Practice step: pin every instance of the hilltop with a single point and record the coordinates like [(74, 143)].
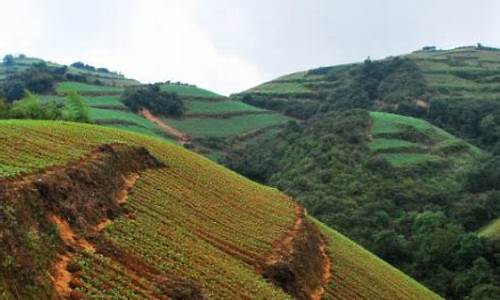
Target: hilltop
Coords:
[(455, 89), (149, 220)]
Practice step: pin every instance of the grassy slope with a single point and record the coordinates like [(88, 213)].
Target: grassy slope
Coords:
[(462, 73), (185, 90), (358, 274), (431, 144), (200, 198), (219, 107)]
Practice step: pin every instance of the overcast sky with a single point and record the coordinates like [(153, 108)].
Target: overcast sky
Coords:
[(231, 45)]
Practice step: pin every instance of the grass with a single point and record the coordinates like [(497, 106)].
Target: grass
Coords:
[(491, 231), (86, 88), (207, 107), (203, 127), (201, 226), (189, 91), (358, 274)]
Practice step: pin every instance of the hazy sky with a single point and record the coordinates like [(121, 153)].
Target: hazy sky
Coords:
[(231, 45)]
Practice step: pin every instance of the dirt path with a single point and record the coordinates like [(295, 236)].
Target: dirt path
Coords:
[(61, 276), (318, 293), (182, 138), (285, 246)]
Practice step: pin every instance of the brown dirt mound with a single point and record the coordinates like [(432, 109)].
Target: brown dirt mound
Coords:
[(299, 263), (182, 138)]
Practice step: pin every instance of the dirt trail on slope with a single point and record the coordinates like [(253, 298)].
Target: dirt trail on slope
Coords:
[(61, 277), (181, 137), (299, 262), (284, 247), (318, 293)]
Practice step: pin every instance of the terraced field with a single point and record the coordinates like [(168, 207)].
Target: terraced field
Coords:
[(205, 225), (462, 73), (190, 91), (406, 142), (207, 114), (358, 274), (88, 89), (227, 127)]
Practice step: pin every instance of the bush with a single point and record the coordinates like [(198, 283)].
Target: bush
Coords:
[(152, 98)]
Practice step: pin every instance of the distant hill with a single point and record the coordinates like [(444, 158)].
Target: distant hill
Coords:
[(103, 76), (456, 89), (94, 213), (210, 125)]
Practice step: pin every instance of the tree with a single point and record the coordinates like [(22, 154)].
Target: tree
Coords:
[(76, 109), (14, 90), (8, 60)]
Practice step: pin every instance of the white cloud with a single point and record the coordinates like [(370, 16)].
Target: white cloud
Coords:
[(150, 40), (230, 45)]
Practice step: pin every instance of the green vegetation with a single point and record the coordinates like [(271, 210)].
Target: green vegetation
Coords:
[(199, 230), (219, 107), (284, 88), (124, 120), (492, 231), (187, 90), (151, 97), (84, 88), (237, 125), (69, 108), (406, 141), (354, 266), (381, 144), (104, 101), (417, 206)]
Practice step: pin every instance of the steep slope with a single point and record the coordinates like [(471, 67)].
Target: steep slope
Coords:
[(397, 185), (90, 212), (353, 267)]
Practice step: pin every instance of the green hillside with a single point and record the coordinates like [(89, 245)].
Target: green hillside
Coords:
[(21, 63), (406, 141), (125, 234), (354, 266), (399, 186), (454, 89)]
